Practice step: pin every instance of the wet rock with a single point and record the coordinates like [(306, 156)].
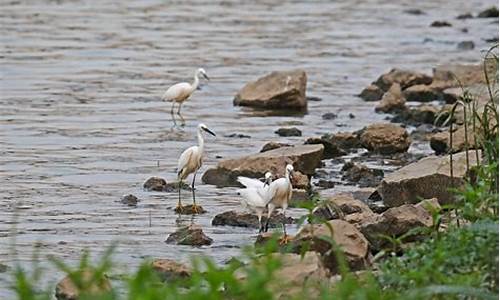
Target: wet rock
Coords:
[(169, 270), (361, 174), (3, 268), (422, 114), (66, 289), (464, 16), (129, 200), (349, 239), (371, 93), (296, 272), (329, 116), (190, 209), (273, 145), (238, 135), (326, 184), (440, 24), (305, 159), (491, 12), (155, 184), (394, 222), (422, 93), (278, 90), (331, 149), (405, 79), (292, 131), (191, 235), (348, 205), (385, 138), (345, 140), (378, 206), (240, 219), (392, 100), (424, 179), (414, 11), (465, 45)]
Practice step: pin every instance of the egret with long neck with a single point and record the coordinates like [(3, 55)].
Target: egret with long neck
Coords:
[(281, 192), (255, 196), (180, 92), (190, 162)]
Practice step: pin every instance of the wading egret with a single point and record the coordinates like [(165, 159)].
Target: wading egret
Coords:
[(180, 92), (189, 163), (281, 192), (255, 196)]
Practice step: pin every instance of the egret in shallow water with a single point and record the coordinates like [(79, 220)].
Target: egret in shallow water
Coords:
[(280, 192), (190, 162), (180, 92), (255, 196)]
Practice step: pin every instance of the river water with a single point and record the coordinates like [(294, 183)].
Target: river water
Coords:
[(82, 123)]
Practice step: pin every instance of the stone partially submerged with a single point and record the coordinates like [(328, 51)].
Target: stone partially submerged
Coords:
[(385, 138), (240, 219), (305, 159), (168, 269), (278, 90), (191, 235), (424, 179)]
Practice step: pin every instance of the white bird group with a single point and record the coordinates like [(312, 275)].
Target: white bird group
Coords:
[(258, 196)]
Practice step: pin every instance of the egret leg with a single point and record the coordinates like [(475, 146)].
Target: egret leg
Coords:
[(179, 207), (284, 239), (180, 115), (196, 209), (260, 222), (172, 113), (270, 209)]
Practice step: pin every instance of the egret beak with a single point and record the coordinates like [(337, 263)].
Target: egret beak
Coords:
[(209, 131), (265, 183), (205, 75)]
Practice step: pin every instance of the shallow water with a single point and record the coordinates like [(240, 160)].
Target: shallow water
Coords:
[(82, 122)]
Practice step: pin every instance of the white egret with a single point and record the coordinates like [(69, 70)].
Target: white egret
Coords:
[(189, 163), (180, 92), (281, 192), (255, 196)]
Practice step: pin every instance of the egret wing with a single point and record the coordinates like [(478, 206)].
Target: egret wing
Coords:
[(250, 182), (251, 198), (177, 91), (185, 158)]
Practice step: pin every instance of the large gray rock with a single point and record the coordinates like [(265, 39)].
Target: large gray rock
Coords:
[(350, 240), (305, 159), (404, 78), (394, 223), (385, 138), (282, 90), (341, 206), (424, 179)]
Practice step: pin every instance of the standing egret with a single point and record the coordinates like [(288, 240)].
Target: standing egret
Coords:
[(189, 163), (256, 195), (281, 192), (180, 92)]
